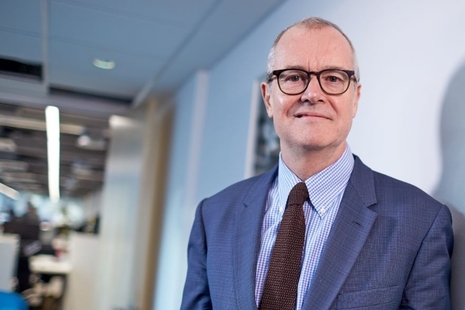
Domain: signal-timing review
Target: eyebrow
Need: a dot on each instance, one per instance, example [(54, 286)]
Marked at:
[(324, 68)]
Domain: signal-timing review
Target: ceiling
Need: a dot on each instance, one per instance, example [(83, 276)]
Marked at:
[(46, 58)]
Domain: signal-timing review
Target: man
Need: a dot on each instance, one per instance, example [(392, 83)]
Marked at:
[(371, 242), (31, 216)]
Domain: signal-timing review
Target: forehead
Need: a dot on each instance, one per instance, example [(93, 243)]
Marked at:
[(313, 49)]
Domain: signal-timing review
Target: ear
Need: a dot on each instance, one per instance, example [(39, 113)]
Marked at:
[(357, 94), (266, 92)]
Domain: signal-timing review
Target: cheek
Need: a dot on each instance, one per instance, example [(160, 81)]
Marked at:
[(347, 109), (281, 105), (346, 117), (273, 108)]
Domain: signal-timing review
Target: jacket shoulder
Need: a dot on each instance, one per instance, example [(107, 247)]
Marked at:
[(241, 189), (382, 189)]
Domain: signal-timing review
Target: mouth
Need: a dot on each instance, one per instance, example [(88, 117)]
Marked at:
[(309, 114)]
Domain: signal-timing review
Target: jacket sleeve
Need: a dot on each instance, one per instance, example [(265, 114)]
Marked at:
[(196, 293), (428, 285)]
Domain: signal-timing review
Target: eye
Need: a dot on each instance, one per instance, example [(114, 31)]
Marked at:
[(293, 76), (333, 79)]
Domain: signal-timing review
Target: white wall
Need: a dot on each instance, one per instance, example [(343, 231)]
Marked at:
[(119, 213), (180, 197), (409, 53), (128, 234)]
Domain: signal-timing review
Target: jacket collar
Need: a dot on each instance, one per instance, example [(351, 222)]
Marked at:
[(249, 218), (346, 239)]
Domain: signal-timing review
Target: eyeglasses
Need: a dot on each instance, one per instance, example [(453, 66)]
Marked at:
[(295, 81)]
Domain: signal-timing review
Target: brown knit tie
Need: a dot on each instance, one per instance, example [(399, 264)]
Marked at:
[(282, 280)]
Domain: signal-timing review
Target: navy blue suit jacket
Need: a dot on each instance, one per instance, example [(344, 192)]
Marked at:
[(389, 248)]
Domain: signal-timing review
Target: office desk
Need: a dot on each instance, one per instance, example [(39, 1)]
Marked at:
[(52, 284)]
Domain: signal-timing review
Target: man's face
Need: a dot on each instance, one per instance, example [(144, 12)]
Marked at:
[(313, 120)]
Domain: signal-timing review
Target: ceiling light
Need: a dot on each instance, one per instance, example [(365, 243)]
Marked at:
[(52, 119), (88, 143), (104, 64), (91, 141), (8, 191), (83, 140), (7, 145)]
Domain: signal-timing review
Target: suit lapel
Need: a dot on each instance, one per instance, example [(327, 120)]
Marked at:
[(249, 217), (346, 239)]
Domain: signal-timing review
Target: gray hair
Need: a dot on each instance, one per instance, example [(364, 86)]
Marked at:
[(312, 23)]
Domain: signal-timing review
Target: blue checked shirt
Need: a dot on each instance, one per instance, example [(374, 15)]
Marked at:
[(325, 189)]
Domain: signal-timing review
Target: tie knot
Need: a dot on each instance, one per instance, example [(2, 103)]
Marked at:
[(298, 194)]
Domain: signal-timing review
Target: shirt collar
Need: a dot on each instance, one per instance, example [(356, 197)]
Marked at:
[(323, 187)]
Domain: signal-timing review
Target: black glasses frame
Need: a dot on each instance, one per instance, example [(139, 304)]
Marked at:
[(277, 73)]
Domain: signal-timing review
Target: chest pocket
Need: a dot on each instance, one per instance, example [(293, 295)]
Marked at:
[(383, 298)]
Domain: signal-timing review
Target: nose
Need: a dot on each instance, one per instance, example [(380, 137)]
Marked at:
[(313, 92)]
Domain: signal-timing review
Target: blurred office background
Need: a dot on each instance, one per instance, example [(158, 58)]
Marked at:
[(173, 115)]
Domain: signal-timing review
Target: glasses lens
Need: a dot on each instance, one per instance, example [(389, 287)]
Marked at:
[(293, 81), (334, 81)]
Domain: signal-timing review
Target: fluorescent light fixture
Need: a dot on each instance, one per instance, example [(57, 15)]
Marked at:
[(104, 64), (8, 191), (52, 119)]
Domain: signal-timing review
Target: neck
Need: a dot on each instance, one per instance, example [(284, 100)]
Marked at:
[(305, 163)]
